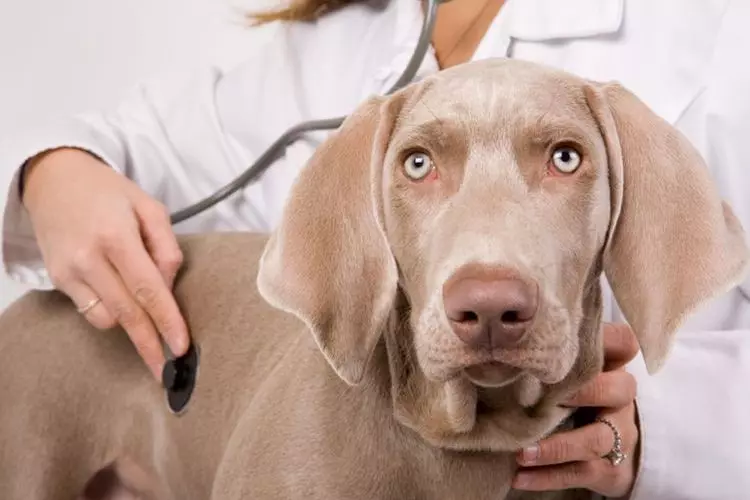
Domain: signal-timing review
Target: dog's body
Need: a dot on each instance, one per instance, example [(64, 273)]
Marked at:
[(429, 298), (92, 403)]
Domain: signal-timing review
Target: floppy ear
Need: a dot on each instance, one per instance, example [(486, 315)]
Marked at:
[(329, 262), (673, 243)]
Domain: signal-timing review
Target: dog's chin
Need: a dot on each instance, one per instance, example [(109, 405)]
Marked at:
[(492, 375)]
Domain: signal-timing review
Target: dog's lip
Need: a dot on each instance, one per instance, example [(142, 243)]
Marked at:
[(492, 374)]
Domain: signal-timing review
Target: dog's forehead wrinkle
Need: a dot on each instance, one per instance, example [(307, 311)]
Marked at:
[(493, 87), (499, 108), (422, 123), (426, 106), (436, 111)]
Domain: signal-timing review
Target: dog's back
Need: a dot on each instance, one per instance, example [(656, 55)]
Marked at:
[(75, 399)]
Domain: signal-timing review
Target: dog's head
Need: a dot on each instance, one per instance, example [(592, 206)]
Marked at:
[(469, 217)]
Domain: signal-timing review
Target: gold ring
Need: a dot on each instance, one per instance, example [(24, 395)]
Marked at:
[(92, 303)]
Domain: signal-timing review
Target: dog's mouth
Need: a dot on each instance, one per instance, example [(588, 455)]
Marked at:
[(492, 375)]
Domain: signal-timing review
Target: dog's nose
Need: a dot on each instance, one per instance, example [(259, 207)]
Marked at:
[(489, 308)]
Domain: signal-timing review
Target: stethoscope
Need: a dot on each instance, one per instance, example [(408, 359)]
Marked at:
[(179, 374)]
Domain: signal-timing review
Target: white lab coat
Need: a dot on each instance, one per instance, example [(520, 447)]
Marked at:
[(181, 137)]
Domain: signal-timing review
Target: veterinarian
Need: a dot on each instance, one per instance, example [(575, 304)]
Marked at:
[(89, 199)]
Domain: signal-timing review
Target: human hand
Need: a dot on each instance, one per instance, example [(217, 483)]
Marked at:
[(573, 459), (101, 237)]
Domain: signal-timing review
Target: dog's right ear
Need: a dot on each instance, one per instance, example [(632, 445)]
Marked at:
[(329, 262), (674, 243)]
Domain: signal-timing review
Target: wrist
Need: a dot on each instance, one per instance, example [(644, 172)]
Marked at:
[(30, 167), (33, 170)]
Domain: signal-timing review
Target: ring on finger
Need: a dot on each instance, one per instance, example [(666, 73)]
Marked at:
[(89, 306), (615, 456)]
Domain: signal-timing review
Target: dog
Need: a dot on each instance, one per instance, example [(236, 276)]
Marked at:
[(431, 295)]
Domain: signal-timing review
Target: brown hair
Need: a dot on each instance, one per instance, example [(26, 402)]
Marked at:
[(299, 10)]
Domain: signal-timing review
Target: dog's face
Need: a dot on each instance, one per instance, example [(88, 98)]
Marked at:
[(483, 203), (496, 210)]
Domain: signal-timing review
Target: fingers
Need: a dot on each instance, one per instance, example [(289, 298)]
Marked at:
[(81, 295), (574, 459), (119, 270), (598, 476), (151, 294), (620, 345), (126, 312), (585, 444), (575, 475), (159, 238), (612, 389)]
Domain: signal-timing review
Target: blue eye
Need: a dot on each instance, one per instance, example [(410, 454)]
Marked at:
[(566, 159), (417, 166)]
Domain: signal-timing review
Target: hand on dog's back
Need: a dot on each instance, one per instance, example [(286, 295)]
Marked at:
[(102, 237)]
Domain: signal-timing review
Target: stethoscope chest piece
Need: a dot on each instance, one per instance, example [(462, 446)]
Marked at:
[(178, 378)]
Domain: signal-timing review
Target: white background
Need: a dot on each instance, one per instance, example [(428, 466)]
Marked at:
[(65, 56)]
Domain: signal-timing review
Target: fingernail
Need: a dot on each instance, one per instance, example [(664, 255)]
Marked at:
[(530, 454), (178, 344)]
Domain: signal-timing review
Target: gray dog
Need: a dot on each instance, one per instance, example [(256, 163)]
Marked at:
[(430, 296)]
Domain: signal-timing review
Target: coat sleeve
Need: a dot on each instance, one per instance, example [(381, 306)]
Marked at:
[(695, 412)]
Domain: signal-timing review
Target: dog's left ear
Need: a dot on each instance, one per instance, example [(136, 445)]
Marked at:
[(673, 243), (329, 262)]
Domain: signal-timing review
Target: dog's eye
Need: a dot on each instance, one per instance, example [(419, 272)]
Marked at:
[(566, 159), (417, 166)]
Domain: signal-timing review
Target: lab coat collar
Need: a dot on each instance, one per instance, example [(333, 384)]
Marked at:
[(532, 20)]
